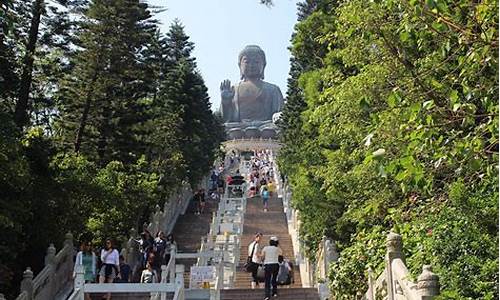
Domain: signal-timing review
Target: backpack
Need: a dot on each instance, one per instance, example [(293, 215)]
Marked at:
[(265, 194), (283, 277)]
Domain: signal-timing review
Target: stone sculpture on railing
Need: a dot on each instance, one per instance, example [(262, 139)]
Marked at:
[(394, 282), (54, 277), (160, 220)]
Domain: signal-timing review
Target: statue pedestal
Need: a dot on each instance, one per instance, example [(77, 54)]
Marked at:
[(251, 130)]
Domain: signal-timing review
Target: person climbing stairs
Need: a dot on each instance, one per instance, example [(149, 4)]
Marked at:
[(270, 223)]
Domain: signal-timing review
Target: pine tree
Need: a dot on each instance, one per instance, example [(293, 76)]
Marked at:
[(186, 93), (103, 100)]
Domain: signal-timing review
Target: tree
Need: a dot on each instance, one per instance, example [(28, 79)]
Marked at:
[(397, 131), (186, 93), (109, 81)]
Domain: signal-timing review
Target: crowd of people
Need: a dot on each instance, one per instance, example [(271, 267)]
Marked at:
[(106, 265), (266, 262), (261, 178)]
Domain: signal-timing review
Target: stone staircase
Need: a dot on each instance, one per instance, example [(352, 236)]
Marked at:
[(270, 223), (188, 231), (129, 296), (283, 294)]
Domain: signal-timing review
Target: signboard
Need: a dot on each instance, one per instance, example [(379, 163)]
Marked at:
[(202, 277)]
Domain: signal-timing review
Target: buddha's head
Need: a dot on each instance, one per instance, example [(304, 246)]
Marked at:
[(252, 61)]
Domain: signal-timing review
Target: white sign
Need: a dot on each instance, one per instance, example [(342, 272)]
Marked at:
[(201, 277)]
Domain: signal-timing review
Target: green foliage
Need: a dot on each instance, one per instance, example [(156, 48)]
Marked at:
[(398, 129), (119, 118)]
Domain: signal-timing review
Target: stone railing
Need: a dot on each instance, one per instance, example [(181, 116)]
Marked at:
[(394, 282), (327, 254), (223, 239), (160, 220), (172, 281), (55, 277)]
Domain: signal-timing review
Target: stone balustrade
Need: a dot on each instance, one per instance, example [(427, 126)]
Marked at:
[(161, 219), (55, 277), (394, 282)]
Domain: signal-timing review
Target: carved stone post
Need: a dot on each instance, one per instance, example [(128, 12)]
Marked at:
[(394, 245), (179, 275), (2, 297), (80, 280), (68, 239), (220, 272), (172, 266), (27, 283), (427, 283), (50, 258), (131, 249), (156, 219)]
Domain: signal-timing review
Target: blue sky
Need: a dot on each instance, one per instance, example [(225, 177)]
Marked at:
[(221, 28)]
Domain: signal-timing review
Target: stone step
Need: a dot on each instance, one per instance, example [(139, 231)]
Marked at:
[(188, 231), (270, 223), (283, 294), (129, 296)]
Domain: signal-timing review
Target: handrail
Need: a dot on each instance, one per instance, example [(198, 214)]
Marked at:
[(179, 293), (53, 277), (160, 288), (395, 280), (160, 220)]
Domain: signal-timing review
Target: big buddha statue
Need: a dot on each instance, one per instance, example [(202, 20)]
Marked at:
[(248, 108)]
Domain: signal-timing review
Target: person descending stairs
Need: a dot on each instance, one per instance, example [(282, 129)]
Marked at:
[(270, 223)]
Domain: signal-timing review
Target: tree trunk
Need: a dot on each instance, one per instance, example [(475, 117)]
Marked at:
[(21, 111), (85, 114)]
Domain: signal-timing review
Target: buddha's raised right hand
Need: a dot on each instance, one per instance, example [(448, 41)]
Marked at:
[(226, 91)]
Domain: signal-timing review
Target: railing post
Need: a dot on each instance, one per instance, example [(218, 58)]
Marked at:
[(394, 245), (50, 257), (80, 281), (179, 275), (371, 290), (68, 239), (220, 272), (131, 252), (163, 279), (156, 219), (27, 283), (427, 283), (172, 265)]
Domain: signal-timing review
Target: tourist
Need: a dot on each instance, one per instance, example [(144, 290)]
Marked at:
[(149, 275), (86, 258), (213, 181), (125, 271), (220, 184), (203, 201), (169, 246), (253, 258), (265, 198), (271, 187), (285, 273), (110, 268), (269, 256), (229, 180), (145, 246), (252, 189), (159, 245)]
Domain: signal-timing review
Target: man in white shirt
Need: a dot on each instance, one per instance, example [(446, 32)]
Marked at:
[(253, 257)]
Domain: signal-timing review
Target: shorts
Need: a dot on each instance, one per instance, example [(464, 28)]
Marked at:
[(112, 275)]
